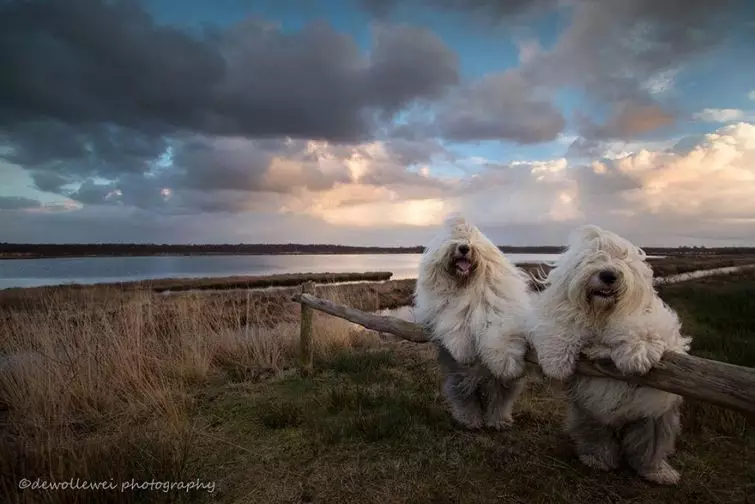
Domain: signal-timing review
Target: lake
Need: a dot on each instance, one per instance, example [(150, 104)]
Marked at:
[(90, 270)]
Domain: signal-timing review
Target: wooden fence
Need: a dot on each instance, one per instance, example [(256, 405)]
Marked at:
[(715, 382)]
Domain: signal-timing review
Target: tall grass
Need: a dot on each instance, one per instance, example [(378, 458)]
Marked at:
[(101, 387)]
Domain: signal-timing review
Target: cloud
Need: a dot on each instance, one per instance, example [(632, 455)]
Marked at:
[(112, 64), (617, 51), (751, 95), (252, 132), (17, 203), (57, 154), (235, 174), (387, 214), (239, 109), (626, 121), (675, 193), (408, 63), (486, 11), (30, 205), (719, 115), (529, 47), (661, 82), (499, 107), (528, 192), (698, 191)]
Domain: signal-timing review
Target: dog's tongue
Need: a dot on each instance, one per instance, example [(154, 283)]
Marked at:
[(464, 265)]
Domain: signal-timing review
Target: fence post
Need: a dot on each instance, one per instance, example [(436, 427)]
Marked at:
[(305, 339)]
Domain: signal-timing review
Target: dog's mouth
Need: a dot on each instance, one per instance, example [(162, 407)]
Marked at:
[(463, 266), (602, 294)]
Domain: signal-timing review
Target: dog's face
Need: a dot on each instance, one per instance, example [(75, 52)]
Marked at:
[(461, 262), (455, 256), (604, 273)]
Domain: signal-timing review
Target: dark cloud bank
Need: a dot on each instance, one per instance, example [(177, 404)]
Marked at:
[(94, 92)]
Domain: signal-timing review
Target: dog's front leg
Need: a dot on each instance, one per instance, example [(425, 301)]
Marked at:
[(557, 349), (502, 350), (460, 346), (635, 346)]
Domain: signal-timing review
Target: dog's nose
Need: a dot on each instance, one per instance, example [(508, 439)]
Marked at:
[(464, 249), (608, 277)]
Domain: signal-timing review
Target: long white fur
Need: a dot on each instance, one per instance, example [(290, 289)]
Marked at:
[(634, 331), (486, 319)]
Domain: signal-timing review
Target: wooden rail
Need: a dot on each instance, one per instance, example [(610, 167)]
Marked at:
[(711, 381)]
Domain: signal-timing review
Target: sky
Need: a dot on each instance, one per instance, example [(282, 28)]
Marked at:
[(366, 122)]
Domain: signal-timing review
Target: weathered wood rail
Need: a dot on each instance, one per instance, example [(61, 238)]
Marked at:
[(715, 382)]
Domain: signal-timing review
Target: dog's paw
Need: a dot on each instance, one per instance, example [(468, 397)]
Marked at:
[(508, 367), (664, 474), (468, 417), (595, 462), (501, 423), (556, 369), (469, 423), (638, 356)]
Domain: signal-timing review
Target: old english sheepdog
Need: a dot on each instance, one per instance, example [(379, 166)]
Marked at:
[(599, 301), (474, 302)]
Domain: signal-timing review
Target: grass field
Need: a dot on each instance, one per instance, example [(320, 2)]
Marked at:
[(113, 385)]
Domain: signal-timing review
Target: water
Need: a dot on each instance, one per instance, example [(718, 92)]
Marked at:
[(90, 270)]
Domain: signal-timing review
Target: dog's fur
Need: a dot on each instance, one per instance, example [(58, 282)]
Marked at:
[(599, 300), (474, 302)]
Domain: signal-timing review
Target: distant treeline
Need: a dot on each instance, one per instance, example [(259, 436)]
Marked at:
[(31, 250)]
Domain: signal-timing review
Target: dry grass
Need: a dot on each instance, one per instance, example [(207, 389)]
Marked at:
[(114, 385), (211, 283), (370, 426), (99, 387)]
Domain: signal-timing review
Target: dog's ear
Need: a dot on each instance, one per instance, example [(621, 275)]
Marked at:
[(585, 233)]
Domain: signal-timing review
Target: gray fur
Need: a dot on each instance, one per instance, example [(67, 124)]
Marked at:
[(645, 442), (596, 443), (475, 396)]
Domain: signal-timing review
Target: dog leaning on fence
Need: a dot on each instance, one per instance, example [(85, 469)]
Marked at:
[(474, 303), (600, 302)]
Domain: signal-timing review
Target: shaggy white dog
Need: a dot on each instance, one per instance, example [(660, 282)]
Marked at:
[(599, 300), (475, 303)]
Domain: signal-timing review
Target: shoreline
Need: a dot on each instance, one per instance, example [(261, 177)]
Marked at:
[(670, 266), (93, 251)]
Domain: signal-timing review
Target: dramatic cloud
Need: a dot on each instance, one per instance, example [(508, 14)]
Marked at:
[(487, 11), (626, 121), (612, 48), (115, 127), (57, 154), (234, 174), (233, 110), (498, 107), (699, 191), (112, 64), (519, 193), (17, 203), (719, 115), (714, 179)]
